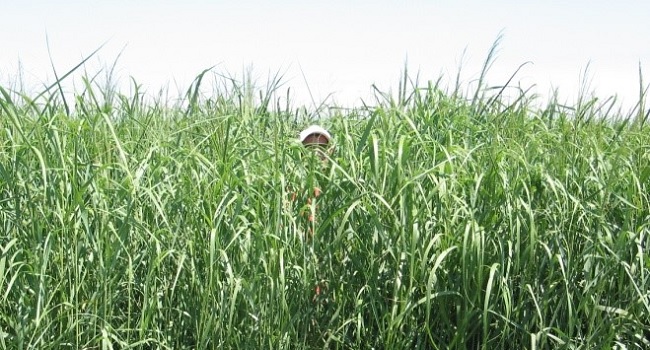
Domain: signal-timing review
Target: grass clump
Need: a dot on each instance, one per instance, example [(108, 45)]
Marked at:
[(444, 222)]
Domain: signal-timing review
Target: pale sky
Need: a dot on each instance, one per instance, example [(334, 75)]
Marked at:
[(342, 46)]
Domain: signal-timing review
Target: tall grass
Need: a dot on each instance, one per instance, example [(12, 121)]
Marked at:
[(445, 221)]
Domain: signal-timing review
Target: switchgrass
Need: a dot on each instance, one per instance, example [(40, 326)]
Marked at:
[(445, 221)]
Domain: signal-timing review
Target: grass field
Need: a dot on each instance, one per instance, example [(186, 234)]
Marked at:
[(446, 220)]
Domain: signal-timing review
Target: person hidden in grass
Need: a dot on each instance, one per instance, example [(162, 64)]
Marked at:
[(317, 139)]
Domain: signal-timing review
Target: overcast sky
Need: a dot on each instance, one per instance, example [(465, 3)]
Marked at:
[(342, 46)]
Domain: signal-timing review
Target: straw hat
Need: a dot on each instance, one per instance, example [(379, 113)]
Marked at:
[(314, 130)]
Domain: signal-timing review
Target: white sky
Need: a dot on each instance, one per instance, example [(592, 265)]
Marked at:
[(342, 46)]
